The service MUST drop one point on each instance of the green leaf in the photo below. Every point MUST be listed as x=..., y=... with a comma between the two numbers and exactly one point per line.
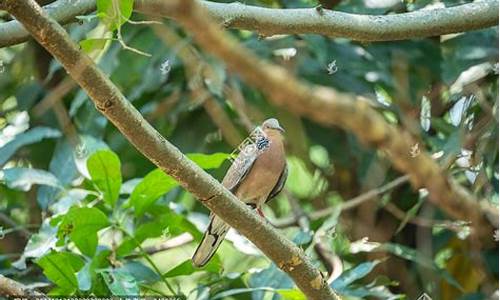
x=187, y=268
x=152, y=187
x=29, y=137
x=140, y=272
x=228, y=293
x=301, y=182
x=120, y=282
x=60, y=268
x=208, y=161
x=89, y=45
x=351, y=275
x=114, y=13
x=291, y=295
x=81, y=224
x=104, y=169
x=87, y=276
x=175, y=223
x=24, y=178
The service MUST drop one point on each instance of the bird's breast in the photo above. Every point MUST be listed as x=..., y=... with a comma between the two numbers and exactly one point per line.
x=264, y=174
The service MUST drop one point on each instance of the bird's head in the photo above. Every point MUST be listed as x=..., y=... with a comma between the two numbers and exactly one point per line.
x=272, y=124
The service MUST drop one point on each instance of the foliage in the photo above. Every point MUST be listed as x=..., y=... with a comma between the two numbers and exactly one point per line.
x=96, y=210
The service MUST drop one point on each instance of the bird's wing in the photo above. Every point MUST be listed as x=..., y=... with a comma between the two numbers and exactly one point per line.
x=279, y=184
x=240, y=167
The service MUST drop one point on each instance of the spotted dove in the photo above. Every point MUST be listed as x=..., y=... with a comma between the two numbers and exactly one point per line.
x=256, y=176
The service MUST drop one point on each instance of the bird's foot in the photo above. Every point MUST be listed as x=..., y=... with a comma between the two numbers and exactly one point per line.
x=259, y=211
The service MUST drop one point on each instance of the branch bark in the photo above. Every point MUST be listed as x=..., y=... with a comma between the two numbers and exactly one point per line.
x=111, y=102
x=269, y=21
x=9, y=287
x=421, y=23
x=64, y=11
x=329, y=107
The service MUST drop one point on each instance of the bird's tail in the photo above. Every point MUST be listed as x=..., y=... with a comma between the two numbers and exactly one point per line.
x=216, y=231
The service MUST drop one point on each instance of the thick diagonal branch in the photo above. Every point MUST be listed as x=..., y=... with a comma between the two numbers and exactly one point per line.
x=330, y=107
x=268, y=21
x=111, y=102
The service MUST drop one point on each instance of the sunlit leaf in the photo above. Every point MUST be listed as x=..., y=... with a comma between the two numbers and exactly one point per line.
x=114, y=13
x=89, y=45
x=104, y=169
x=81, y=224
x=187, y=268
x=149, y=189
x=208, y=161
x=60, y=268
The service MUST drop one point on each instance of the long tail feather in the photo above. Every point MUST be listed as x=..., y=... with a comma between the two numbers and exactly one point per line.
x=214, y=235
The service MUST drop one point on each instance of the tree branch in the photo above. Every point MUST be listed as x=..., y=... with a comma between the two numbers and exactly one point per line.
x=330, y=107
x=111, y=102
x=269, y=21
x=64, y=11
x=9, y=287
x=421, y=23
x=349, y=204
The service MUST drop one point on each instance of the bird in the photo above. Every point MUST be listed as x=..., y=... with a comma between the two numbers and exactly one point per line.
x=256, y=176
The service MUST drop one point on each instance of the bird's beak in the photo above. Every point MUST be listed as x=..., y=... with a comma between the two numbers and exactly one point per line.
x=281, y=129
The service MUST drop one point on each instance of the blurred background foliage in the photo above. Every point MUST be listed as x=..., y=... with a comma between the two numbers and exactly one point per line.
x=83, y=213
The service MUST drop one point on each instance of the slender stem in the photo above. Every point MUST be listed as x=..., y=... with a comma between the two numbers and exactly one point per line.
x=146, y=256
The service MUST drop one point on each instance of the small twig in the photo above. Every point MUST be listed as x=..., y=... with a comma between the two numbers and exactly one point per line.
x=175, y=242
x=148, y=259
x=116, y=10
x=347, y=204
x=4, y=218
x=401, y=215
x=126, y=47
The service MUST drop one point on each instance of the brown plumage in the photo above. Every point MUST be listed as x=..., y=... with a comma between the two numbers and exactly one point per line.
x=255, y=177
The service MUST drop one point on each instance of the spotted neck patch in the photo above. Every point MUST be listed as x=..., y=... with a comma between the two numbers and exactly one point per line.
x=263, y=143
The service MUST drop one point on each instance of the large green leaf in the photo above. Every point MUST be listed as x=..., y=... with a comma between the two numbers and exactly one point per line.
x=187, y=268
x=208, y=161
x=81, y=224
x=104, y=169
x=29, y=137
x=176, y=224
x=149, y=189
x=60, y=268
x=24, y=178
